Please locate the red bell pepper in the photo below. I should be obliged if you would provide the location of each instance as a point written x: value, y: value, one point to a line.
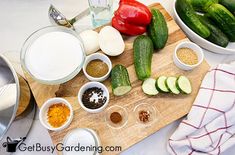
x: 134, y: 12
x: 127, y: 28
x: 131, y: 17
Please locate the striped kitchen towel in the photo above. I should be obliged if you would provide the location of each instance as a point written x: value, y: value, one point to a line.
x: 209, y: 127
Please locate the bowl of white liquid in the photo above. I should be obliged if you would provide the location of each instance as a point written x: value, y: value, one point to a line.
x: 53, y: 55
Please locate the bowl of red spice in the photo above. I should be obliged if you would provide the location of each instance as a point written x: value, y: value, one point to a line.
x: 56, y: 114
x: 145, y: 114
x: 97, y: 67
x: 93, y: 97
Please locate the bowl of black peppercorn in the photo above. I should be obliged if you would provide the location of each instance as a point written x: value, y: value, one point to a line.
x: 93, y: 97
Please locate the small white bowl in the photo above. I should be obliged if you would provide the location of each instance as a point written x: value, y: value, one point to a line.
x: 99, y: 56
x: 44, y: 110
x: 90, y: 85
x: 192, y: 46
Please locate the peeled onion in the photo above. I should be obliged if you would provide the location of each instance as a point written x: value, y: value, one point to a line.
x: 111, y: 41
x: 90, y: 41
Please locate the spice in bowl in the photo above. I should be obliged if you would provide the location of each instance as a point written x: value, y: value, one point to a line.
x: 145, y: 113
x: 58, y: 114
x: 116, y: 117
x: 94, y: 98
x: 97, y: 68
x: 144, y: 116
x: 187, y: 56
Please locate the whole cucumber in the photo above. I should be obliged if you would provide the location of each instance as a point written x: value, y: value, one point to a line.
x: 202, y: 5
x: 189, y: 17
x: 158, y: 30
x: 217, y: 36
x: 224, y: 19
x: 143, y: 53
x: 229, y: 4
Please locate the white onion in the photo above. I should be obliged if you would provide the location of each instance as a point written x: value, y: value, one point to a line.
x: 90, y: 41
x: 111, y: 41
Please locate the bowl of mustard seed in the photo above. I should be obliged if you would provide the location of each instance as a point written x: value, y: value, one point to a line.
x: 188, y: 55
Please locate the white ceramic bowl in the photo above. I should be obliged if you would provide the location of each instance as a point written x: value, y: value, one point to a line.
x: 230, y: 49
x: 90, y: 85
x: 79, y: 136
x: 192, y: 46
x: 44, y: 110
x: 99, y: 56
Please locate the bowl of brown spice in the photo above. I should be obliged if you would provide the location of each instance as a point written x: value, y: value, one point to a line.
x: 56, y: 114
x: 93, y: 97
x: 97, y: 67
x: 116, y: 117
x: 188, y: 55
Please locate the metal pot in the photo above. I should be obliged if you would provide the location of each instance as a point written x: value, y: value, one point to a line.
x: 17, y: 107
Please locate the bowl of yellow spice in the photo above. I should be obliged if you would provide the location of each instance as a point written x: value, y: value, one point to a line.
x: 56, y: 114
x: 188, y: 55
x: 97, y: 67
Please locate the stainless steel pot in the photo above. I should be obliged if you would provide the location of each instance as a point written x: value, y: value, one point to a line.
x: 17, y: 107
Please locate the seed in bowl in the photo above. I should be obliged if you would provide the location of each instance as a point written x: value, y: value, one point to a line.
x: 187, y: 56
x: 93, y: 98
x: 97, y: 68
x: 58, y: 114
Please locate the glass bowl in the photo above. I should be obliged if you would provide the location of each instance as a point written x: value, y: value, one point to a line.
x: 122, y: 111
x: 46, y: 30
x: 145, y: 107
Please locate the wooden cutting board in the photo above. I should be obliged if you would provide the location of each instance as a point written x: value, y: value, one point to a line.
x: 170, y: 107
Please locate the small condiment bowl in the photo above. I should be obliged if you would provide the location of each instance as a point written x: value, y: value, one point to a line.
x: 90, y: 85
x: 122, y: 111
x: 148, y: 108
x: 192, y: 46
x: 96, y: 56
x: 44, y: 109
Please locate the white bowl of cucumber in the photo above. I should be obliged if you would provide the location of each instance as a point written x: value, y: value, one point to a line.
x: 229, y: 49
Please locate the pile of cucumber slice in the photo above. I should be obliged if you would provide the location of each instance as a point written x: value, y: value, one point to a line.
x: 167, y: 85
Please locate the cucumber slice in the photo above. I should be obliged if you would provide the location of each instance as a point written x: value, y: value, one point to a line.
x: 148, y: 87
x: 120, y: 81
x: 171, y: 85
x: 184, y: 85
x: 161, y: 84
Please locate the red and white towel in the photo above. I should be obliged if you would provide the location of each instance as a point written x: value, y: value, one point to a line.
x: 209, y: 128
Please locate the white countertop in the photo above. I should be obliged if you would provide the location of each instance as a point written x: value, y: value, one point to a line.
x: 19, y: 18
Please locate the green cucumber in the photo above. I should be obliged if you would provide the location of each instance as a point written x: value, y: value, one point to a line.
x: 158, y: 30
x: 148, y: 87
x: 229, y: 4
x: 189, y: 17
x: 184, y: 85
x: 120, y: 81
x: 217, y: 36
x: 202, y: 5
x: 171, y: 85
x: 161, y: 84
x: 143, y: 53
x: 224, y: 19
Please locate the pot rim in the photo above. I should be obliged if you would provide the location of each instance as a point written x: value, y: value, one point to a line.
x: 18, y: 93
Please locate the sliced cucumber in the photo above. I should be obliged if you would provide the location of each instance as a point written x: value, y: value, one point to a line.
x: 120, y: 81
x: 148, y: 87
x: 184, y: 85
x: 171, y: 85
x: 161, y: 84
